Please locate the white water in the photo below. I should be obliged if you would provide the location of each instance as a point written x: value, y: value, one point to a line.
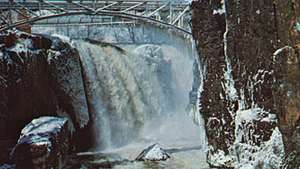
x: 138, y: 96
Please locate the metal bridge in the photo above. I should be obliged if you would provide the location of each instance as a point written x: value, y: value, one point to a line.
x: 166, y: 13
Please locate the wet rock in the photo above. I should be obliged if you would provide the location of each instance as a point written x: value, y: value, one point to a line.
x: 43, y: 144
x: 153, y: 153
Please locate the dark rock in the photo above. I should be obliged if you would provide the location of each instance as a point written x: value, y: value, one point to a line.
x: 6, y: 147
x: 153, y: 153
x: 208, y: 30
x: 38, y: 78
x: 9, y: 39
x: 65, y: 69
x: 41, y: 42
x: 251, y: 60
x: 43, y: 144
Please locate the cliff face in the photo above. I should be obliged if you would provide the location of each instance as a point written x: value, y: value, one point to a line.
x: 290, y: 116
x: 249, y: 52
x: 39, y: 76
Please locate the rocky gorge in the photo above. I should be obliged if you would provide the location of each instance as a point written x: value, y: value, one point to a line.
x: 61, y: 95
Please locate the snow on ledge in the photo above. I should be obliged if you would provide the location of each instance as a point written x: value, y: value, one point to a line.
x: 218, y: 158
x: 278, y: 51
x: 254, y: 114
x: 269, y: 155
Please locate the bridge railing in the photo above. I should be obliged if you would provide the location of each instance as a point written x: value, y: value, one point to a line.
x: 168, y: 13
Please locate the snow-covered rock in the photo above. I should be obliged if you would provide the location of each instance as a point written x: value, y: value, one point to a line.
x: 254, y: 125
x: 219, y: 158
x: 43, y: 144
x: 268, y: 155
x: 7, y: 166
x: 39, y: 75
x: 153, y: 153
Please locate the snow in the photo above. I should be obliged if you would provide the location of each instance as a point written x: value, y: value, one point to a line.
x: 156, y: 153
x: 254, y: 114
x: 22, y: 46
x: 43, y: 125
x: 246, y: 118
x: 272, y: 153
x: 260, y: 76
x: 199, y: 73
x: 228, y: 85
x: 39, y: 131
x: 218, y: 158
x: 63, y: 38
x: 54, y: 54
x: 220, y: 11
x: 298, y: 26
x: 247, y: 155
x: 153, y: 153
x: 268, y: 156
x: 7, y: 166
x: 278, y: 51
x: 242, y: 101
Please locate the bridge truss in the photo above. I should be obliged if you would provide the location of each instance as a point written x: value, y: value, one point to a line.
x: 171, y: 14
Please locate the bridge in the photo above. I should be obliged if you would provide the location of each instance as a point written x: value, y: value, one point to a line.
x: 170, y: 14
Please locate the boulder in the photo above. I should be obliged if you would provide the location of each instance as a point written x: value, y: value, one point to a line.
x: 43, y: 144
x: 153, y: 153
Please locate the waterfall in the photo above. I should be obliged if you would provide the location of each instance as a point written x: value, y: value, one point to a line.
x: 142, y: 90
x: 133, y: 86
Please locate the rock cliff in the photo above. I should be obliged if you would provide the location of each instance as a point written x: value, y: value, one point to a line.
x: 250, y: 58
x: 39, y: 76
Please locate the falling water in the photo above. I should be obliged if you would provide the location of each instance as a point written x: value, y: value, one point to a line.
x: 133, y: 87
